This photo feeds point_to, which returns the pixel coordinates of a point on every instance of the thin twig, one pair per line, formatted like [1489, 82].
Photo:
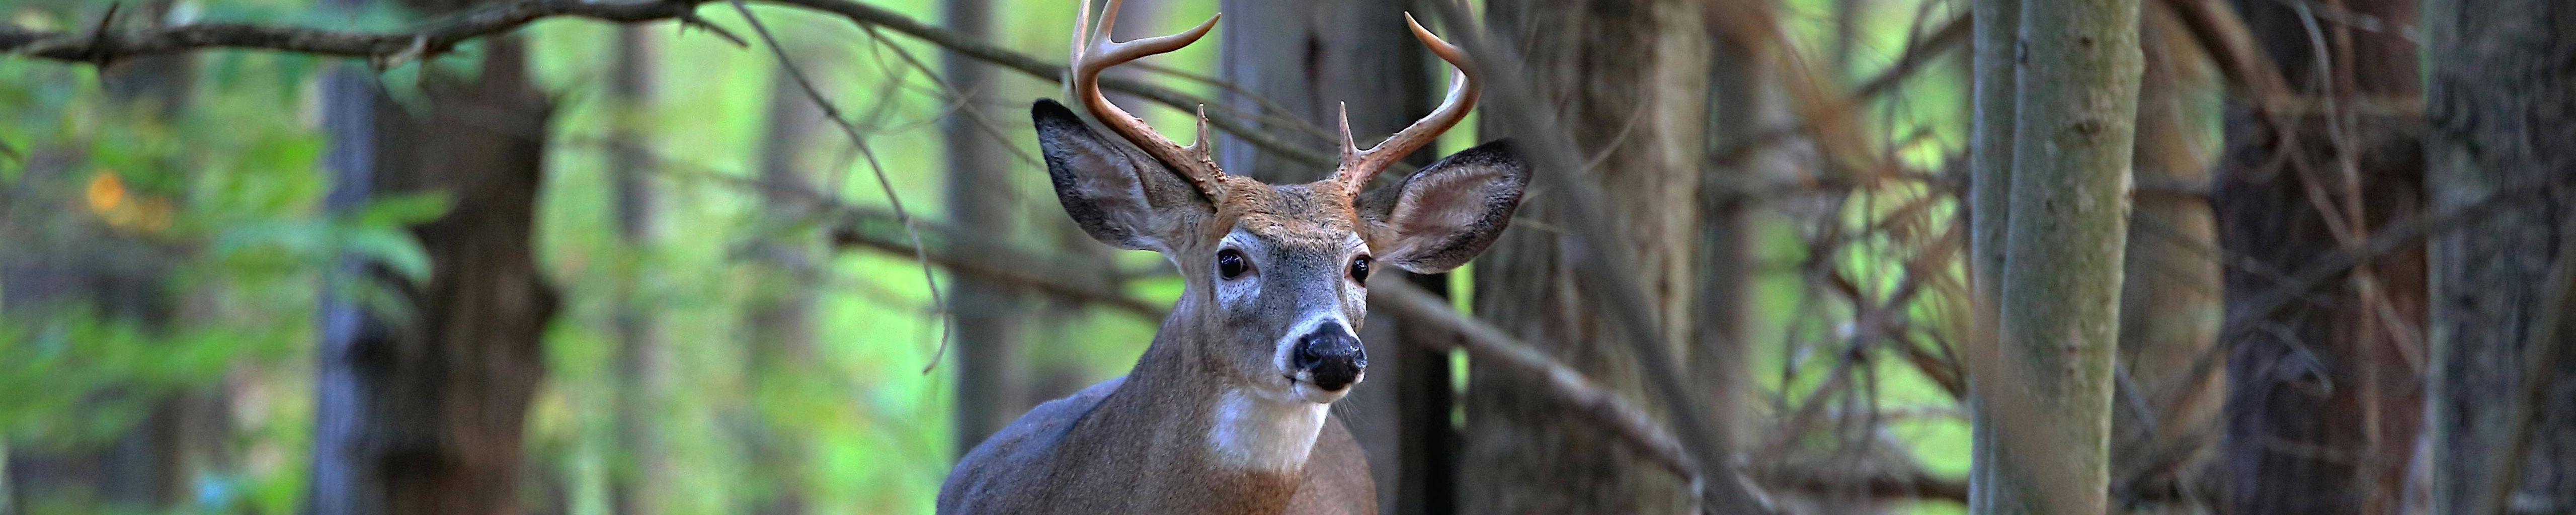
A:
[436, 37]
[850, 227]
[851, 231]
[859, 141]
[2332, 265]
[2539, 376]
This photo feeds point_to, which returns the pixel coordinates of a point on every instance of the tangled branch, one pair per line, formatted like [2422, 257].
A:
[106, 45]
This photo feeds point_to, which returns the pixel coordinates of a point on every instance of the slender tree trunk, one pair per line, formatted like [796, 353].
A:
[1312, 58]
[2323, 395]
[780, 317]
[2503, 117]
[147, 467]
[1996, 81]
[422, 411]
[986, 315]
[2169, 304]
[640, 477]
[1744, 102]
[2069, 209]
[1632, 75]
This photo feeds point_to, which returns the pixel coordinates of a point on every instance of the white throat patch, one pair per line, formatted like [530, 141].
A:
[1256, 433]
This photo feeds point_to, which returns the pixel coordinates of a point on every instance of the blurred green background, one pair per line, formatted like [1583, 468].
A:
[172, 262]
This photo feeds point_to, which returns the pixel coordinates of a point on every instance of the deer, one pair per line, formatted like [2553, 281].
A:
[1227, 410]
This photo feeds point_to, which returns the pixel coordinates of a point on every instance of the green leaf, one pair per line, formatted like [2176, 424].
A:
[396, 249]
[404, 210]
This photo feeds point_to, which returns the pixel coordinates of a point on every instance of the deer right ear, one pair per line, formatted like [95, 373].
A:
[1118, 194]
[1448, 212]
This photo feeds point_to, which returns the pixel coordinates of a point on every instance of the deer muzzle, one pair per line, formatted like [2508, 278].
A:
[1331, 357]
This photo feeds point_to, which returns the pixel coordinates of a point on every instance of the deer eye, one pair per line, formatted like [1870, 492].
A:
[1360, 268]
[1230, 264]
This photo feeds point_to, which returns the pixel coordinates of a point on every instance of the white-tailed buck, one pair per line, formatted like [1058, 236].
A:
[1227, 410]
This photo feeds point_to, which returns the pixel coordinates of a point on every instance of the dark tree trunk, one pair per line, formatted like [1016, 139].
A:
[639, 476]
[1311, 58]
[119, 279]
[2503, 122]
[2323, 399]
[421, 409]
[986, 315]
[1631, 76]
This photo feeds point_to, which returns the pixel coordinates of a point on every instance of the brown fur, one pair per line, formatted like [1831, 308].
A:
[1143, 443]
[1121, 447]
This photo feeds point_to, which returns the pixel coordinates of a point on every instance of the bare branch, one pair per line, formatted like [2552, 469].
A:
[1950, 35]
[872, 229]
[431, 38]
[1909, 483]
[2546, 347]
[1486, 342]
[860, 142]
[440, 36]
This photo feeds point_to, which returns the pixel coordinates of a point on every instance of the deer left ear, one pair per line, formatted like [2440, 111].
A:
[1448, 212]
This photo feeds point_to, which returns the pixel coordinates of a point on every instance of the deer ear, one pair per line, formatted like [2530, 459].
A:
[1447, 213]
[1118, 194]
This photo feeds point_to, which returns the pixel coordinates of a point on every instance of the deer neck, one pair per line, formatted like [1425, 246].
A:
[1250, 443]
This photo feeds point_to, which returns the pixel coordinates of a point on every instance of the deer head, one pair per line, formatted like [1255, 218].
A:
[1276, 275]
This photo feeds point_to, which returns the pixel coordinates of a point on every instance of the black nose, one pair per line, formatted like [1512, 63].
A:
[1332, 355]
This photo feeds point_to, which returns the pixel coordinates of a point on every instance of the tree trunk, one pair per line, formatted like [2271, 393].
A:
[2061, 275]
[1632, 75]
[421, 411]
[2503, 117]
[2169, 302]
[780, 318]
[1993, 92]
[1745, 101]
[2323, 395]
[640, 477]
[1311, 58]
[81, 267]
[985, 315]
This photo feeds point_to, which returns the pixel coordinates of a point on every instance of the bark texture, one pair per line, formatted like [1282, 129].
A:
[2323, 394]
[2050, 383]
[2503, 121]
[1632, 75]
[422, 411]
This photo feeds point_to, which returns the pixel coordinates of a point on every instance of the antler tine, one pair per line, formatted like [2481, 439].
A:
[1094, 52]
[1359, 166]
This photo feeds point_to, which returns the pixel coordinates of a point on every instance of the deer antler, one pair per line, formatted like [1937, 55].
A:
[1360, 166]
[1093, 52]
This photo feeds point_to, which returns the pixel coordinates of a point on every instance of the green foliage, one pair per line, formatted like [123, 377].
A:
[249, 252]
